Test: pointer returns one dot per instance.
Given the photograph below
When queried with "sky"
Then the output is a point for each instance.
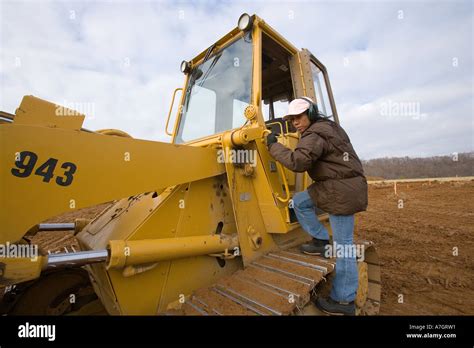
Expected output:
(401, 72)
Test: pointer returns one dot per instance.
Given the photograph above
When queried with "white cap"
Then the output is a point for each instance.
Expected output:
(296, 107)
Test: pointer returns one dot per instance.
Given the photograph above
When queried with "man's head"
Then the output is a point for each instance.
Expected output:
(298, 113)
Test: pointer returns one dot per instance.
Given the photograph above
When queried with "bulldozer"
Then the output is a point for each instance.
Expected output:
(200, 225)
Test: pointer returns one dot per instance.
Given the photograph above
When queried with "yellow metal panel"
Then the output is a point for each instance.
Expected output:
(146, 217)
(111, 225)
(273, 211)
(139, 294)
(35, 111)
(253, 237)
(107, 168)
(193, 209)
(103, 288)
(15, 270)
(275, 185)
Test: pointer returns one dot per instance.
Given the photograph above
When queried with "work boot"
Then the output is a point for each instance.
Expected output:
(332, 307)
(315, 247)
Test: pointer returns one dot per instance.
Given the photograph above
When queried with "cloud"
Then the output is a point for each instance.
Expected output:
(123, 59)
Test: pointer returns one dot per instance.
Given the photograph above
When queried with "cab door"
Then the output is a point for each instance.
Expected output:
(310, 78)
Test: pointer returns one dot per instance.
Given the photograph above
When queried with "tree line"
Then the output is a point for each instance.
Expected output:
(456, 164)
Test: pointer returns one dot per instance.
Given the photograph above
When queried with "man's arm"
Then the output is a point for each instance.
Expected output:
(309, 149)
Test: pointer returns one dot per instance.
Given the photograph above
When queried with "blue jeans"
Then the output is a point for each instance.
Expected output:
(344, 287)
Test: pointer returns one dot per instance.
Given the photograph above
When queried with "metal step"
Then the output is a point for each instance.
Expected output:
(279, 283)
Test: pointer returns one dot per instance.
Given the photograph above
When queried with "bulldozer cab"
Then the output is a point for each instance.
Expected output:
(258, 67)
(254, 66)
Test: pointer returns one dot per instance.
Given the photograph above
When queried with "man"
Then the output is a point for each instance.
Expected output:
(340, 189)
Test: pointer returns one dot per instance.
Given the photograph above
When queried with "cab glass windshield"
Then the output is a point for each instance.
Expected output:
(218, 92)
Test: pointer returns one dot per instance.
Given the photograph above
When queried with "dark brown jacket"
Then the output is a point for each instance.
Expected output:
(325, 152)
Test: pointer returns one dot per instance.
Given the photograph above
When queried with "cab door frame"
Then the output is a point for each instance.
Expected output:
(302, 77)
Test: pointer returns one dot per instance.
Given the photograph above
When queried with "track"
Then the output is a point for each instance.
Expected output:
(280, 283)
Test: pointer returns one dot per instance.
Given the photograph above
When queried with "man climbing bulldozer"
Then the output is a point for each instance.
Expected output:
(340, 189)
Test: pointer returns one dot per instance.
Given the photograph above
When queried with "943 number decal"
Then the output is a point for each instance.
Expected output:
(25, 163)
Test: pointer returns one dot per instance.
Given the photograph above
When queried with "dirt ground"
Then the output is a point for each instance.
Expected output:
(59, 241)
(425, 243)
(426, 246)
